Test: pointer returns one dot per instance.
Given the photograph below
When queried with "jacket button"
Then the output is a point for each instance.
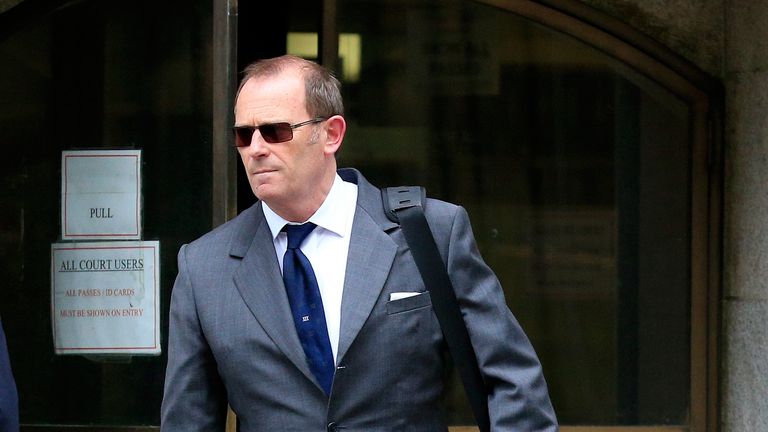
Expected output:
(333, 427)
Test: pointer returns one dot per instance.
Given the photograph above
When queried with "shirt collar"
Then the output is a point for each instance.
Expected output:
(334, 214)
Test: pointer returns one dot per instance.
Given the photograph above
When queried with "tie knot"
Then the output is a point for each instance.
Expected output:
(297, 233)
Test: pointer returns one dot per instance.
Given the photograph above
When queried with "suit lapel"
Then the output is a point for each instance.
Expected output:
(260, 284)
(370, 258)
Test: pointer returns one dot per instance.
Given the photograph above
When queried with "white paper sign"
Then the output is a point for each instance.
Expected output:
(105, 297)
(101, 195)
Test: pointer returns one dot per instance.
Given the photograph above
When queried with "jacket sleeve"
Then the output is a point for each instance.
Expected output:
(518, 398)
(194, 398)
(9, 401)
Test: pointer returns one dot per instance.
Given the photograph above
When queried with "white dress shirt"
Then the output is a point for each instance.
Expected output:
(326, 248)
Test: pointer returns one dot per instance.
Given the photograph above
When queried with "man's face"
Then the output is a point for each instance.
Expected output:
(281, 174)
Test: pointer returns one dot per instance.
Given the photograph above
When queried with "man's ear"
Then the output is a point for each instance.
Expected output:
(335, 128)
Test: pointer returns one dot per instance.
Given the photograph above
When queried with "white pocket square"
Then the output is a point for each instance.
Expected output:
(401, 295)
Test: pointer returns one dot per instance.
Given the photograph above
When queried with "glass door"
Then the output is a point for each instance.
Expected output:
(94, 75)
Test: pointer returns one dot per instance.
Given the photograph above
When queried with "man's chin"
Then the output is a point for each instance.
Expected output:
(264, 193)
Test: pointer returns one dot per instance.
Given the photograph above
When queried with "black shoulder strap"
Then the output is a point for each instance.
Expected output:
(405, 205)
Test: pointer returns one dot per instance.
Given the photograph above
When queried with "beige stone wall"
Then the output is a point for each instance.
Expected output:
(745, 361)
(729, 40)
(692, 28)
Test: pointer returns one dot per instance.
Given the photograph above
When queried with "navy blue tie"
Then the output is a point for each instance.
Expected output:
(307, 306)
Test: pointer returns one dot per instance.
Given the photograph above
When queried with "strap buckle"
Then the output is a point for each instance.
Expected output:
(402, 197)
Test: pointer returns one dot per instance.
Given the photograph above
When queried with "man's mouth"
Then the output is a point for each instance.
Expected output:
(263, 171)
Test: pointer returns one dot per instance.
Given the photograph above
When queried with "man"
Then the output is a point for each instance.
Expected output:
(365, 351)
(9, 401)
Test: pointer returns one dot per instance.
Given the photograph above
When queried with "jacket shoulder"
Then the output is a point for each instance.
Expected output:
(222, 238)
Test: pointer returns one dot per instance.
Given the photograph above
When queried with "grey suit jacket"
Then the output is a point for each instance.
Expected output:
(232, 339)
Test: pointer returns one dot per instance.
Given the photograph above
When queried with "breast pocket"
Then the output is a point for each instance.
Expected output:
(418, 301)
(410, 335)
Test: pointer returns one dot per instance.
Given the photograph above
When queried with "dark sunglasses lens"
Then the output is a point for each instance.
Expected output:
(276, 132)
(243, 136)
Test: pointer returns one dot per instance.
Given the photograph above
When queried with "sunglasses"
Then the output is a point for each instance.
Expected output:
(271, 132)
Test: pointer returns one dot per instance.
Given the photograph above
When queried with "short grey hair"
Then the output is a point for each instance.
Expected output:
(322, 89)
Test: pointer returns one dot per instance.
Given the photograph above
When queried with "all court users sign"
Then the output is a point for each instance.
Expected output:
(105, 297)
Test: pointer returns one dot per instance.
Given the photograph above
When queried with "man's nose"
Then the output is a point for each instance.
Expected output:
(257, 146)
